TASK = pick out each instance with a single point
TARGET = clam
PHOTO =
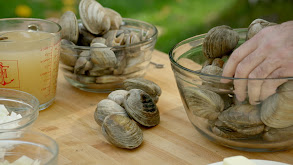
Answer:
(115, 18)
(143, 35)
(110, 79)
(68, 55)
(221, 129)
(212, 79)
(256, 26)
(100, 40)
(85, 37)
(211, 70)
(207, 62)
(99, 71)
(102, 56)
(106, 107)
(278, 134)
(203, 103)
(114, 37)
(96, 18)
(218, 62)
(148, 86)
(119, 78)
(140, 106)
(118, 96)
(85, 79)
(131, 38)
(122, 132)
(228, 100)
(83, 63)
(244, 119)
(276, 110)
(121, 62)
(219, 41)
(80, 65)
(69, 25)
(93, 16)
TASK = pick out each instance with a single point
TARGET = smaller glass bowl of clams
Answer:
(212, 106)
(102, 49)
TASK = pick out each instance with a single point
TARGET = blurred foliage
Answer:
(175, 19)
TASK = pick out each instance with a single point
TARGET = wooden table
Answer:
(71, 123)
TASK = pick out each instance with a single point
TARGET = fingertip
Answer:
(224, 81)
(240, 97)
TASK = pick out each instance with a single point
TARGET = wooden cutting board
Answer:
(71, 123)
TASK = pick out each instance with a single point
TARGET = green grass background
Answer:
(175, 19)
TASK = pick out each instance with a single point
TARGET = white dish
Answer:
(258, 162)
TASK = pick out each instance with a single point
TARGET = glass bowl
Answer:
(21, 145)
(215, 112)
(106, 73)
(21, 103)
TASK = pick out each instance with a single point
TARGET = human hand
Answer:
(269, 54)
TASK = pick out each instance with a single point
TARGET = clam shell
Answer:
(68, 55)
(85, 37)
(121, 62)
(131, 38)
(85, 79)
(122, 131)
(119, 78)
(80, 64)
(276, 110)
(222, 130)
(115, 18)
(118, 96)
(278, 134)
(98, 71)
(218, 62)
(114, 37)
(69, 25)
(99, 40)
(219, 41)
(140, 106)
(103, 57)
(93, 17)
(107, 107)
(203, 103)
(212, 81)
(242, 115)
(148, 86)
(256, 26)
(211, 70)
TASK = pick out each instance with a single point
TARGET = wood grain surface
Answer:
(71, 123)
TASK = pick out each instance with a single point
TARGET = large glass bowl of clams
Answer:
(213, 108)
(99, 63)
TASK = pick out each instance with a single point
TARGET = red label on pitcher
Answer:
(9, 74)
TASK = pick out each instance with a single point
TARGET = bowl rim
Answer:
(54, 149)
(149, 39)
(31, 117)
(201, 36)
(33, 20)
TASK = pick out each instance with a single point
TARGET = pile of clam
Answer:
(271, 120)
(119, 114)
(97, 61)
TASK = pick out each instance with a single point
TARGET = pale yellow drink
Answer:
(29, 62)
